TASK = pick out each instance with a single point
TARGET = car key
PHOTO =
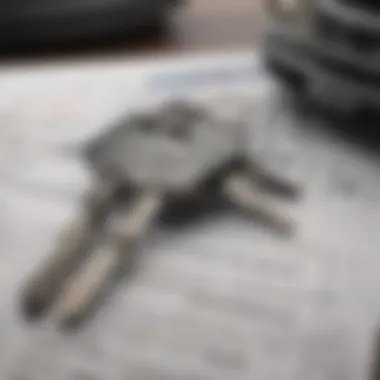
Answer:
(163, 156)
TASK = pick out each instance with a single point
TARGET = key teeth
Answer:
(241, 192)
(275, 184)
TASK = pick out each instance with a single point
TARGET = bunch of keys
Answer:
(171, 158)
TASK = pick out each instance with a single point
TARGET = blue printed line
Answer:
(184, 79)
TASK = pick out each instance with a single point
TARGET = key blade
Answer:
(123, 231)
(241, 193)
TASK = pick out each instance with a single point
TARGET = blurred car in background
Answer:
(35, 21)
(326, 51)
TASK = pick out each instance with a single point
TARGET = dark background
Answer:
(197, 25)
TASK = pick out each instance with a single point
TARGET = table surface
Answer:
(221, 299)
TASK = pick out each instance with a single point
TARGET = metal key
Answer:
(71, 247)
(179, 151)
